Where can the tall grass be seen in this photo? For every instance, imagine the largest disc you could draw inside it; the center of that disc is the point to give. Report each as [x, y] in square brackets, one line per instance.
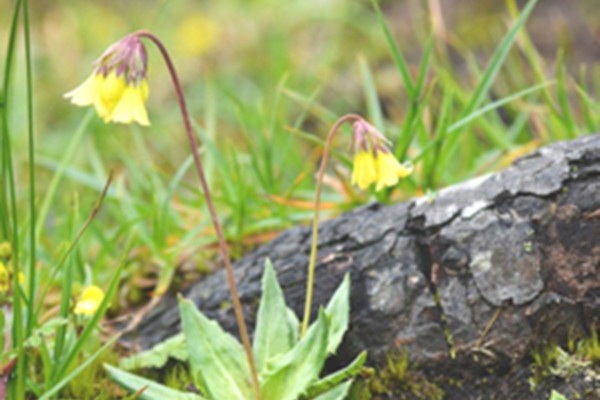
[25, 335]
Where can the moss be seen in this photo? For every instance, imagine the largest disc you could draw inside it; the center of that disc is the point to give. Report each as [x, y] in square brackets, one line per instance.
[92, 382]
[589, 348]
[175, 374]
[179, 377]
[544, 357]
[551, 360]
[396, 380]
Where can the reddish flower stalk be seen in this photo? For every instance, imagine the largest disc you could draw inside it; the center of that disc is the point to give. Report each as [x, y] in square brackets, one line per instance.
[237, 307]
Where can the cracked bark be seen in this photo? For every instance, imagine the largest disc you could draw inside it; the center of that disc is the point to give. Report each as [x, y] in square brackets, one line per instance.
[512, 257]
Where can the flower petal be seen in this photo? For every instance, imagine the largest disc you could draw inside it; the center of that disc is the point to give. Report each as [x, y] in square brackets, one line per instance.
[386, 171]
[111, 89]
[84, 94]
[389, 170]
[364, 171]
[131, 106]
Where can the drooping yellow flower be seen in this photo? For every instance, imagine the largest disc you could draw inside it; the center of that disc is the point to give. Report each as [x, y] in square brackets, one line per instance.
[373, 161]
[118, 87]
[89, 300]
[4, 278]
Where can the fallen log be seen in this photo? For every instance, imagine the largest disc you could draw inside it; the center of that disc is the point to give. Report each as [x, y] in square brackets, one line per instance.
[479, 275]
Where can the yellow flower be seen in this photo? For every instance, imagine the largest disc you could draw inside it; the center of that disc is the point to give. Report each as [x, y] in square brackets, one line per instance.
[118, 88]
[4, 278]
[364, 170]
[89, 300]
[389, 170]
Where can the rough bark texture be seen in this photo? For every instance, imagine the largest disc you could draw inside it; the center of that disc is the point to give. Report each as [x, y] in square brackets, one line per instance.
[513, 259]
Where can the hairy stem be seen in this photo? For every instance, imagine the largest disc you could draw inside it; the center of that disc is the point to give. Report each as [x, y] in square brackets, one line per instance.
[211, 208]
[315, 221]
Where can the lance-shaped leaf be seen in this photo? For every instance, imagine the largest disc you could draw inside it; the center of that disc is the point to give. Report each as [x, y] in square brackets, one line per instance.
[150, 390]
[338, 312]
[332, 381]
[158, 356]
[289, 375]
[337, 393]
[274, 334]
[218, 361]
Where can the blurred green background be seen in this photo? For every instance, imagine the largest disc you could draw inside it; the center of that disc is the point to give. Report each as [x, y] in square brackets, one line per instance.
[265, 80]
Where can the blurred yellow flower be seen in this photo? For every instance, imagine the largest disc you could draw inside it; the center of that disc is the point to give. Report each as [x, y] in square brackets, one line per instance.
[197, 34]
[89, 300]
[118, 88]
[4, 278]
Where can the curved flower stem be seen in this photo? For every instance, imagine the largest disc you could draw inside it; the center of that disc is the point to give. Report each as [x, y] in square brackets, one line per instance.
[315, 222]
[211, 208]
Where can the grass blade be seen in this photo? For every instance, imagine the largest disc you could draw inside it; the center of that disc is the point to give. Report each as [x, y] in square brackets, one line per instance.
[68, 378]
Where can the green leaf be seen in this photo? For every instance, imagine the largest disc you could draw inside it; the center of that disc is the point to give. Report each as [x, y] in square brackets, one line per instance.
[290, 375]
[372, 98]
[482, 89]
[557, 396]
[294, 325]
[274, 335]
[151, 390]
[218, 361]
[337, 393]
[174, 347]
[338, 313]
[399, 59]
[330, 382]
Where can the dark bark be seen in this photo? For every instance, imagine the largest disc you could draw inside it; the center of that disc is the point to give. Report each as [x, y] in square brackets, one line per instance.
[514, 258]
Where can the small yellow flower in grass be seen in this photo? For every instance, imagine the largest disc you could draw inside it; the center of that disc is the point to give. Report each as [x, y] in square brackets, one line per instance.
[89, 300]
[4, 278]
[118, 87]
[373, 161]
